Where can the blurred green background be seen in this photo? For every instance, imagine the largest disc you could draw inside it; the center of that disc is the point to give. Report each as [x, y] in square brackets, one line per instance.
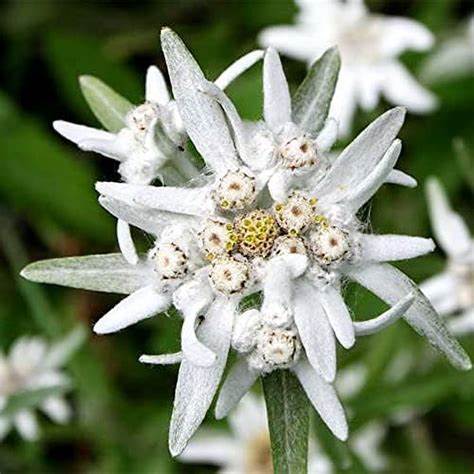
[48, 208]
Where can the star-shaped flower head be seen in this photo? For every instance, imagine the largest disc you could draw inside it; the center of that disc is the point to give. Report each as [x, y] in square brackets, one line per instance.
[148, 140]
[369, 46]
[34, 366]
[452, 291]
[219, 241]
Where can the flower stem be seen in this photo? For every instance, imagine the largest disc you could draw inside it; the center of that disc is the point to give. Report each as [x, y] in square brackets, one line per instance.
[288, 421]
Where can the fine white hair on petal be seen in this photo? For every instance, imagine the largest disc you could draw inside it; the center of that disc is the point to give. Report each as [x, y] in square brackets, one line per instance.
[372, 326]
[142, 304]
[401, 178]
[27, 425]
[324, 399]
[328, 135]
[192, 201]
[236, 385]
[78, 133]
[276, 94]
[338, 316]
[361, 156]
[126, 244]
[57, 409]
[401, 88]
[389, 284]
[315, 331]
[450, 231]
[156, 89]
[191, 299]
[162, 359]
[362, 192]
[196, 386]
[202, 117]
[387, 248]
[279, 185]
[238, 67]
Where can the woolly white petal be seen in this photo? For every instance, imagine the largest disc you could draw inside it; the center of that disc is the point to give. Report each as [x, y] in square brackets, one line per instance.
[401, 178]
[162, 359]
[196, 386]
[193, 201]
[463, 324]
[202, 117]
[450, 231]
[401, 88]
[210, 448]
[126, 244]
[57, 409]
[114, 149]
[338, 316]
[77, 133]
[279, 185]
[401, 34]
[362, 192]
[439, 287]
[276, 95]
[391, 285]
[361, 156]
[236, 385]
[315, 331]
[156, 89]
[27, 425]
[324, 399]
[328, 135]
[237, 68]
[142, 304]
[386, 248]
[371, 326]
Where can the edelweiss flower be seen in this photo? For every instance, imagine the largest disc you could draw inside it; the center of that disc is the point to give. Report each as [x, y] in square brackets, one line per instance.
[228, 238]
[152, 140]
[452, 291]
[246, 450]
[369, 46]
[32, 365]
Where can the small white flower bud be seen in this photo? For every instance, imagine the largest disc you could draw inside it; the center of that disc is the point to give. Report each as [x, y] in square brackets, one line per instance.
[329, 244]
[298, 153]
[140, 118]
[277, 315]
[169, 260]
[229, 275]
[286, 244]
[217, 238]
[235, 191]
[296, 214]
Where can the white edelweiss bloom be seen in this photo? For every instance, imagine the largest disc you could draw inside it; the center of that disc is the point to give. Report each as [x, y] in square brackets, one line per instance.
[369, 45]
[32, 364]
[453, 58]
[210, 254]
[246, 449]
[452, 291]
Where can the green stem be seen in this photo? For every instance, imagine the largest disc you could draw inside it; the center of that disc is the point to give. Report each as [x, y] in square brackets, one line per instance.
[288, 421]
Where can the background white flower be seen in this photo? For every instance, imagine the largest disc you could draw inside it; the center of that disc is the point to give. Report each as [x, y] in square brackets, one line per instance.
[32, 365]
[452, 291]
[369, 45]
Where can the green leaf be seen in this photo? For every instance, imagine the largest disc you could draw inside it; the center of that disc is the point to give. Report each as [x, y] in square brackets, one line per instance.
[312, 100]
[109, 107]
[288, 420]
[110, 273]
[30, 399]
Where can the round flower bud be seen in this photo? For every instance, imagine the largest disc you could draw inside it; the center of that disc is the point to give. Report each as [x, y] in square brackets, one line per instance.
[140, 118]
[169, 260]
[329, 244]
[229, 275]
[276, 349]
[296, 214]
[245, 330]
[298, 153]
[217, 238]
[235, 191]
[286, 244]
[256, 232]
